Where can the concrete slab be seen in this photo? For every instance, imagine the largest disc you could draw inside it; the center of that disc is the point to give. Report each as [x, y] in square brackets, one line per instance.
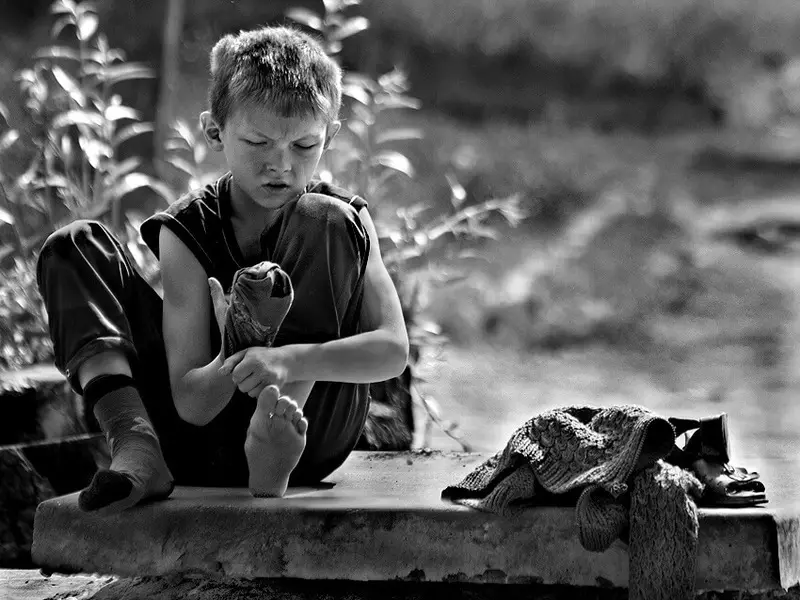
[381, 518]
[29, 584]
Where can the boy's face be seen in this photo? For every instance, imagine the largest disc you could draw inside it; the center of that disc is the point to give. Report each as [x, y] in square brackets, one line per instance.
[272, 158]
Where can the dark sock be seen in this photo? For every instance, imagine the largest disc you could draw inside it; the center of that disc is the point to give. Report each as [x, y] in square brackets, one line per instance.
[137, 470]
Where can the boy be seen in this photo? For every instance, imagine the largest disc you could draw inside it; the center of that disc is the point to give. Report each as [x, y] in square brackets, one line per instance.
[176, 410]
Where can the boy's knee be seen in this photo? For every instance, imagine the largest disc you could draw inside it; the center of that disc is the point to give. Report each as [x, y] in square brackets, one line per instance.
[318, 216]
[72, 235]
[320, 211]
[64, 242]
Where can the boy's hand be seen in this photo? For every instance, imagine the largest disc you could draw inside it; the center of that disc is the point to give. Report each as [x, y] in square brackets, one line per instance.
[253, 369]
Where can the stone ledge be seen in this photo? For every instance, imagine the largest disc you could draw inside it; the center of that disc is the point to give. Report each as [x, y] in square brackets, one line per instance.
[381, 518]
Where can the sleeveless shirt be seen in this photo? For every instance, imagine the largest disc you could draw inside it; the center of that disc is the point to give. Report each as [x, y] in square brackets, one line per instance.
[336, 411]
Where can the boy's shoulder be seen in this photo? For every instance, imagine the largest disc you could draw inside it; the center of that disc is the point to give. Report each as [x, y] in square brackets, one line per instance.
[203, 198]
[196, 214]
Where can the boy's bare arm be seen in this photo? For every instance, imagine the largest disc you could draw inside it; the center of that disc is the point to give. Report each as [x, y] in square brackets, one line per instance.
[380, 352]
[199, 391]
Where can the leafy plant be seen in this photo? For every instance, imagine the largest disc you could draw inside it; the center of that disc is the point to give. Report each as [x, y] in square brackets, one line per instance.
[75, 166]
[419, 249]
[79, 126]
[24, 337]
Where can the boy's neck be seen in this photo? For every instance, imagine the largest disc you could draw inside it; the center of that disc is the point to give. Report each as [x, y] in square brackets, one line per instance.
[245, 211]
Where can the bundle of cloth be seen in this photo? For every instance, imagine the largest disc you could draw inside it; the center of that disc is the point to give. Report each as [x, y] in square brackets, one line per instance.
[628, 479]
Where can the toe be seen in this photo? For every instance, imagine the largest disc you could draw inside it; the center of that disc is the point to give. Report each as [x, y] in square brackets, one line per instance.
[302, 426]
[268, 398]
[296, 415]
[285, 406]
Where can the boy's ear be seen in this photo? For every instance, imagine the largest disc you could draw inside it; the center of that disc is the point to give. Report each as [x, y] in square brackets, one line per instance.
[211, 131]
[330, 133]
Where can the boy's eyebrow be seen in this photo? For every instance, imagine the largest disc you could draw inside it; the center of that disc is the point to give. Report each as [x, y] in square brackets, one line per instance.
[308, 137]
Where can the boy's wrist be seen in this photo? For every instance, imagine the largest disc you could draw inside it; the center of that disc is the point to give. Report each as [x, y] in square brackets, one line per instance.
[300, 365]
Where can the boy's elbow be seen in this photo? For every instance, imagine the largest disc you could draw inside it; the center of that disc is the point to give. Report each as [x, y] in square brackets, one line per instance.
[189, 414]
[400, 356]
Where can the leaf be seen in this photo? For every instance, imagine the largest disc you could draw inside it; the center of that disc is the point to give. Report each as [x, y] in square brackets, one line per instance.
[135, 181]
[87, 24]
[398, 135]
[68, 83]
[350, 28]
[66, 151]
[116, 73]
[457, 192]
[184, 132]
[305, 17]
[116, 112]
[470, 254]
[363, 113]
[8, 139]
[333, 47]
[361, 80]
[4, 252]
[359, 129]
[60, 24]
[6, 217]
[332, 6]
[176, 145]
[388, 101]
[95, 150]
[182, 165]
[25, 76]
[199, 153]
[122, 168]
[377, 183]
[63, 6]
[4, 112]
[130, 131]
[58, 52]
[483, 231]
[78, 117]
[60, 182]
[394, 160]
[357, 92]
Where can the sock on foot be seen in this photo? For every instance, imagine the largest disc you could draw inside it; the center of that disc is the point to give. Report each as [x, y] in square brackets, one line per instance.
[138, 470]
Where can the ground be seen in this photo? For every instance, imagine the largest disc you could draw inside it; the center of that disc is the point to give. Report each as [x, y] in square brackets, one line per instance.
[491, 390]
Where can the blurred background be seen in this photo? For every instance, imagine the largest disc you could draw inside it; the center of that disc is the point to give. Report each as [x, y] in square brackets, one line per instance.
[581, 201]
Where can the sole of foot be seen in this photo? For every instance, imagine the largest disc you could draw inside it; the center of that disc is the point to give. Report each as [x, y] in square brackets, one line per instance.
[276, 439]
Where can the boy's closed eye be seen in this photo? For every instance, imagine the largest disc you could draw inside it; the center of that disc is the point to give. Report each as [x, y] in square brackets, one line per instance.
[298, 145]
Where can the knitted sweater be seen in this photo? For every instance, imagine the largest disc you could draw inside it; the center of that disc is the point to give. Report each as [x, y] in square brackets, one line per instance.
[611, 458]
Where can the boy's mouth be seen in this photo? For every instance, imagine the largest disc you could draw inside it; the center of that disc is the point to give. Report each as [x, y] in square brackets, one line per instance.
[276, 186]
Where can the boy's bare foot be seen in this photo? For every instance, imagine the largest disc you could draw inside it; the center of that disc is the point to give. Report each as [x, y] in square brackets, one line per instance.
[276, 439]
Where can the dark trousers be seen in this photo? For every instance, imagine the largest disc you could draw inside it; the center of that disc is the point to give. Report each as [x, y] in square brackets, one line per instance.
[96, 301]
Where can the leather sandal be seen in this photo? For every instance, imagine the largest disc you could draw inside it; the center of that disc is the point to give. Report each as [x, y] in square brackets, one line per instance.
[706, 455]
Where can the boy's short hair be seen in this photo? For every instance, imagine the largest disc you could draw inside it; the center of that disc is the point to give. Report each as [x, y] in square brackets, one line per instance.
[276, 66]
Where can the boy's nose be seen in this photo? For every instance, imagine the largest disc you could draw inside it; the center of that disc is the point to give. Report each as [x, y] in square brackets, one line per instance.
[279, 161]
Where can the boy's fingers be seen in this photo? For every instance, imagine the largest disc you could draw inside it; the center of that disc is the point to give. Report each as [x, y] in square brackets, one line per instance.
[231, 362]
[241, 372]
